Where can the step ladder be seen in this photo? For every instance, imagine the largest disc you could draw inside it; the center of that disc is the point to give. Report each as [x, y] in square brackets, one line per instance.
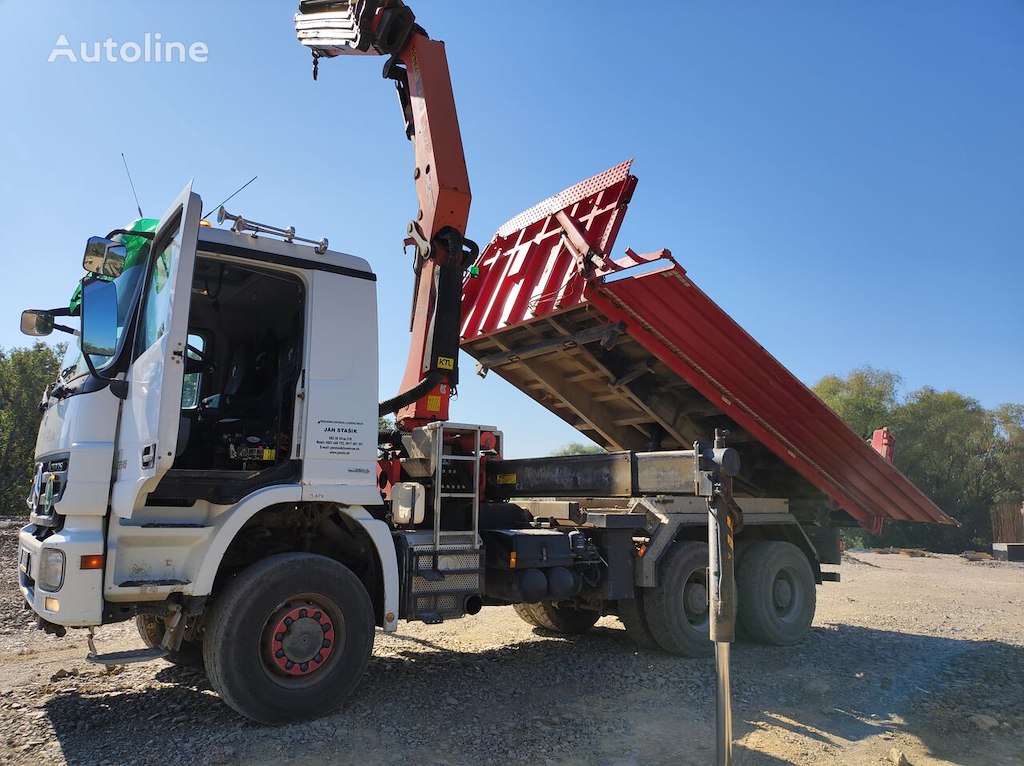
[448, 568]
[443, 491]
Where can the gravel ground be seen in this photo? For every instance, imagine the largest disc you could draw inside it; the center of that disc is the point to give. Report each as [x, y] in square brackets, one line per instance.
[903, 653]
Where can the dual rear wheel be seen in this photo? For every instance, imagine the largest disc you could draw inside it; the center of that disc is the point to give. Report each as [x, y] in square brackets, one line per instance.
[775, 595]
[550, 616]
[776, 592]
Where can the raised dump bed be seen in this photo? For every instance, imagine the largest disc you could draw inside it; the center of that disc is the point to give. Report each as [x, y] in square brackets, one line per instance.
[636, 357]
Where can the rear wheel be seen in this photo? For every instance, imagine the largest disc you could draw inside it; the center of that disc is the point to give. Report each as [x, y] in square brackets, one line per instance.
[562, 619]
[631, 613]
[775, 589]
[289, 638]
[152, 629]
[525, 613]
[677, 609]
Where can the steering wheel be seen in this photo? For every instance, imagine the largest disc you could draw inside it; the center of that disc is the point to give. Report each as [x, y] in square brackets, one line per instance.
[198, 361]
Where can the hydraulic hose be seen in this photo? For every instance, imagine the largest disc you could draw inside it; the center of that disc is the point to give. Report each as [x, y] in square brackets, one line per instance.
[395, 403]
[392, 436]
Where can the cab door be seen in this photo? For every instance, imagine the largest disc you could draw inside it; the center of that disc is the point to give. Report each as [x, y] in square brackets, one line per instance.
[148, 430]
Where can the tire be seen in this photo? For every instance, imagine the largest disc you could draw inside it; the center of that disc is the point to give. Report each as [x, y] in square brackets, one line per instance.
[289, 638]
[631, 613]
[526, 614]
[677, 609]
[565, 620]
[151, 628]
[776, 593]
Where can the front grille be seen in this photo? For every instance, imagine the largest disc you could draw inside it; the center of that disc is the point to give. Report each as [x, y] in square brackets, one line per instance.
[48, 486]
[25, 569]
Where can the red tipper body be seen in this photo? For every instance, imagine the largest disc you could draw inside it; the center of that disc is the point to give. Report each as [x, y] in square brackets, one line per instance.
[635, 356]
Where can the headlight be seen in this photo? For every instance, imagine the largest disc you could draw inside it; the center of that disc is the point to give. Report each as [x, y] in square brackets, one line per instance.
[51, 570]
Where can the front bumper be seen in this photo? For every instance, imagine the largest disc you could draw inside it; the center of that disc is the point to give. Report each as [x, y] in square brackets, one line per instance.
[79, 600]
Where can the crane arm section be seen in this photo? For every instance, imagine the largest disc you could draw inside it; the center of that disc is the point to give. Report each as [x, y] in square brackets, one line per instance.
[419, 68]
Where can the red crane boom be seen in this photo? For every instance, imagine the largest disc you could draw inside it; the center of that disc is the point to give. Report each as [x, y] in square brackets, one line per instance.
[419, 68]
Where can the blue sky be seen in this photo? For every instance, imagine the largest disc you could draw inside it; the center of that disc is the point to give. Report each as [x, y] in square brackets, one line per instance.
[845, 178]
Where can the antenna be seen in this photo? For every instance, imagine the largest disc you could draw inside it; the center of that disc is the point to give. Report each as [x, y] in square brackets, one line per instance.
[206, 214]
[132, 183]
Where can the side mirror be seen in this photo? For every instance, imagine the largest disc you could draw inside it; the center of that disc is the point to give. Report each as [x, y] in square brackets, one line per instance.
[99, 317]
[104, 257]
[36, 322]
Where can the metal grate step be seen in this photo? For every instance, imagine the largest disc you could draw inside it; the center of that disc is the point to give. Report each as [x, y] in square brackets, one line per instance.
[127, 657]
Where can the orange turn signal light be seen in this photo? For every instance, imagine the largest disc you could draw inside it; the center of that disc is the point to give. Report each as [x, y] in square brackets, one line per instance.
[94, 561]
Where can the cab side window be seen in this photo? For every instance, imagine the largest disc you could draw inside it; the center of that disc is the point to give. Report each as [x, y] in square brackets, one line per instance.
[157, 300]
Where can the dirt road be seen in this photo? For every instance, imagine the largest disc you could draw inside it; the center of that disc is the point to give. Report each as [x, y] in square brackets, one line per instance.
[903, 653]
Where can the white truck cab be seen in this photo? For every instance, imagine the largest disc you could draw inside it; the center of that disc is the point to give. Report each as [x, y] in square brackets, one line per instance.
[230, 373]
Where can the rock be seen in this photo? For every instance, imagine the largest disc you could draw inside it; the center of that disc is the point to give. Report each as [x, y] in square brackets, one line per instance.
[898, 758]
[977, 556]
[983, 722]
[817, 687]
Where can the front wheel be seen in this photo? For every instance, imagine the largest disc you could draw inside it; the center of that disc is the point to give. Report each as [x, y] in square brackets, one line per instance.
[775, 588]
[289, 637]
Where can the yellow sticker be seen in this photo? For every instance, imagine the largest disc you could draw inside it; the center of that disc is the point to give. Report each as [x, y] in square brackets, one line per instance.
[269, 454]
[506, 478]
[434, 403]
[445, 363]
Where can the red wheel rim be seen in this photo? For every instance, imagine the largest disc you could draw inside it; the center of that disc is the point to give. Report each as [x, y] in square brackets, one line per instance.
[300, 637]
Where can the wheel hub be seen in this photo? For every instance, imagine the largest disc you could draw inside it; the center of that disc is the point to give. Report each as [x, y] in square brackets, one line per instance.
[695, 599]
[782, 594]
[301, 638]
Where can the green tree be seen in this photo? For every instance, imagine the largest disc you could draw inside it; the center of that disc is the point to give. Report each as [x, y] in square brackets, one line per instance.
[866, 398]
[962, 456]
[946, 444]
[576, 448]
[1009, 455]
[24, 374]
